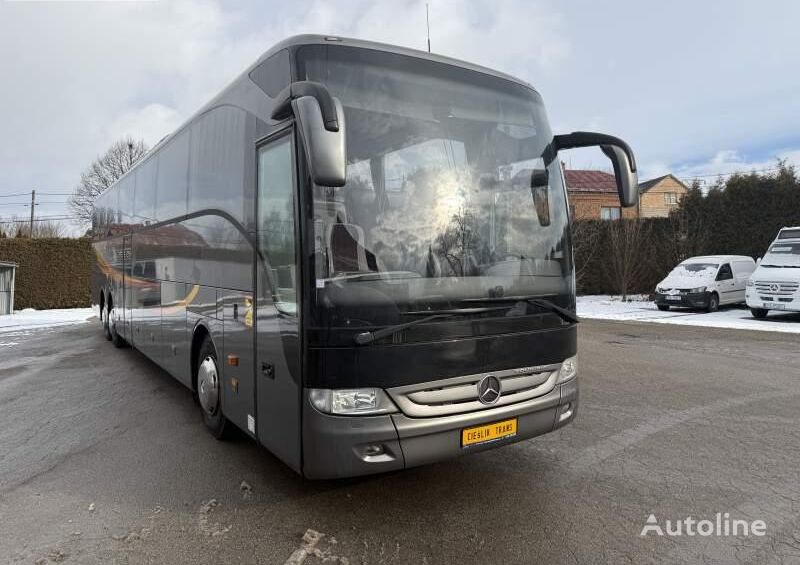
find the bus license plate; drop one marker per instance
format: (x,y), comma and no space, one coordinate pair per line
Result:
(775,305)
(489,432)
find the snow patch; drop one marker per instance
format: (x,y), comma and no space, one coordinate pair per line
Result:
(30,319)
(640,309)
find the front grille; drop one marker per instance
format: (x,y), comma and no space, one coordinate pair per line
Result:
(766,288)
(460,394)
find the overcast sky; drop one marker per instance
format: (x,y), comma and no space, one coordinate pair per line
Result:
(697,88)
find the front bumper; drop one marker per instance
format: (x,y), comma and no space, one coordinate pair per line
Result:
(686,300)
(339,446)
(779,304)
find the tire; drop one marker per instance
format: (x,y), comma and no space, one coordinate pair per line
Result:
(209,388)
(713,303)
(104,314)
(759,313)
(663,307)
(116,339)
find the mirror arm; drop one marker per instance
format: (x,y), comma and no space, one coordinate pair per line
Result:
(318,91)
(592,139)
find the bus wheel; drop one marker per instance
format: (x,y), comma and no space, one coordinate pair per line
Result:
(116,339)
(105,314)
(209,386)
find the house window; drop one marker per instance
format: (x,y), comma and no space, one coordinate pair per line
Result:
(610,213)
(670,198)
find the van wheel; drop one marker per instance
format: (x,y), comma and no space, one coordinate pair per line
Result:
(663,307)
(209,387)
(713,303)
(759,313)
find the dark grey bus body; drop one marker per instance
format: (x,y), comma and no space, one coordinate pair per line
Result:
(203,238)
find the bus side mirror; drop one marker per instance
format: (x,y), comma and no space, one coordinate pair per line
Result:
(617,151)
(320,119)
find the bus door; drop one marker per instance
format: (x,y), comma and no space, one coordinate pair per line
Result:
(278,382)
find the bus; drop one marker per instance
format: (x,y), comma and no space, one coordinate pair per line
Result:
(357,254)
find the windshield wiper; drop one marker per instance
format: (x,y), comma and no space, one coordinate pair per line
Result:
(535,301)
(365,338)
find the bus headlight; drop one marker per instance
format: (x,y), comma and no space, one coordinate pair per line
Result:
(568,370)
(351,401)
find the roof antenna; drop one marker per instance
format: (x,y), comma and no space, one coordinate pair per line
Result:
(428,24)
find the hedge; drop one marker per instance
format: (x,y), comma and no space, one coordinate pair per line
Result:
(51,273)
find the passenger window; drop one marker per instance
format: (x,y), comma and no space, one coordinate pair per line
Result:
(276,222)
(725,273)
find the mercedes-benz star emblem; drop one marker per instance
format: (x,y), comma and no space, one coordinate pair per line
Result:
(774,287)
(489,390)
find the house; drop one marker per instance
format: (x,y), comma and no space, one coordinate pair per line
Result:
(593,196)
(660,196)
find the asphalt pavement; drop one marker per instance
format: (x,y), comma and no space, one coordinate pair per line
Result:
(104,459)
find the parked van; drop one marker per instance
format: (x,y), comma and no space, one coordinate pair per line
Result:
(775,285)
(706,282)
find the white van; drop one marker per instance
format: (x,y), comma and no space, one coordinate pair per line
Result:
(775,285)
(706,282)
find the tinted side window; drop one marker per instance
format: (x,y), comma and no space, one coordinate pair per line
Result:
(273,75)
(144,210)
(219,150)
(173,170)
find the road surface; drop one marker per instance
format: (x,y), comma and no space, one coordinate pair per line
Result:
(103,459)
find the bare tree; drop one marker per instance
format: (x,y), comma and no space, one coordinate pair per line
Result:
(41,228)
(102,173)
(627,254)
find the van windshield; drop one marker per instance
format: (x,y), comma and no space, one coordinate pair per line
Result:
(782,254)
(699,270)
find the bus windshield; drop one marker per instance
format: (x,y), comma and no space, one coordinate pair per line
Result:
(452,193)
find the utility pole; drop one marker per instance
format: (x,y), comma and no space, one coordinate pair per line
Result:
(33,204)
(428,25)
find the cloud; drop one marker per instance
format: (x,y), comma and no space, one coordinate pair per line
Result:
(78,75)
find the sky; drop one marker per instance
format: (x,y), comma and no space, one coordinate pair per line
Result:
(697,89)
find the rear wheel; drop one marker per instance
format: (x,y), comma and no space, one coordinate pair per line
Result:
(116,339)
(209,386)
(104,315)
(759,313)
(713,303)
(663,307)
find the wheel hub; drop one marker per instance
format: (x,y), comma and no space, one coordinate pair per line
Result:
(208,385)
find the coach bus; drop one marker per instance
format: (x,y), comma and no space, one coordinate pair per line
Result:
(357,254)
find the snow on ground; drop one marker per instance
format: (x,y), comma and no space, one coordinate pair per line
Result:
(30,319)
(640,309)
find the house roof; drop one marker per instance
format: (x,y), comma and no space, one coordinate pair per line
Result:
(648,184)
(581,180)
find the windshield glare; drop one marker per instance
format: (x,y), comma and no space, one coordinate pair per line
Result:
(439,204)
